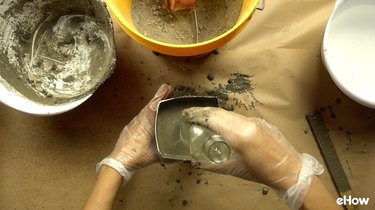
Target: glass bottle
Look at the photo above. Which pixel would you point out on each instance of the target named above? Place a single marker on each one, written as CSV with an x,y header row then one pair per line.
x,y
204,143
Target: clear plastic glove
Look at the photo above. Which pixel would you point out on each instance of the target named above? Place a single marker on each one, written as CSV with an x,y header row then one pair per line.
x,y
262,153
175,5
135,147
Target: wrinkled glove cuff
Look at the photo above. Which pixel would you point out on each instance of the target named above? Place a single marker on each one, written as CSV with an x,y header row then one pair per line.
x,y
295,195
117,165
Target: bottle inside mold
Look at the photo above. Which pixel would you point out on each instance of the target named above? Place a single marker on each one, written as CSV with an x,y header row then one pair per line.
x,y
205,145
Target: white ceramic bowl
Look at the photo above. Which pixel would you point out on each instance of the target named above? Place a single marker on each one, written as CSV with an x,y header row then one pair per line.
x,y
348,49
16,100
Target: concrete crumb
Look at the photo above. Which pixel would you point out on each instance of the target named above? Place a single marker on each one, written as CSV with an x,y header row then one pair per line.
x,y
184,202
239,84
210,77
265,190
184,91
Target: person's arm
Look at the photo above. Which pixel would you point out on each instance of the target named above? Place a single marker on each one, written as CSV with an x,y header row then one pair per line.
x,y
318,197
105,190
262,154
134,149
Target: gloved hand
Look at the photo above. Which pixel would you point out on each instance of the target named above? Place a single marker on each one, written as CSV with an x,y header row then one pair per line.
x,y
262,153
135,147
175,5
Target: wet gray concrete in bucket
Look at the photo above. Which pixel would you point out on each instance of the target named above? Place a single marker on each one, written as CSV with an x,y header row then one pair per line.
x,y
55,51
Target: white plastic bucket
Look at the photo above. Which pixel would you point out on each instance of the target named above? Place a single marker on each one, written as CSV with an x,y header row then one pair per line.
x,y
348,49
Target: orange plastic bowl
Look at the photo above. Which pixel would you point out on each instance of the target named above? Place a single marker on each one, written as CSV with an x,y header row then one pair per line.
x,y
121,10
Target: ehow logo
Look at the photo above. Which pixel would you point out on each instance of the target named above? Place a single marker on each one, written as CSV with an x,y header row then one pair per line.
x,y
349,200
